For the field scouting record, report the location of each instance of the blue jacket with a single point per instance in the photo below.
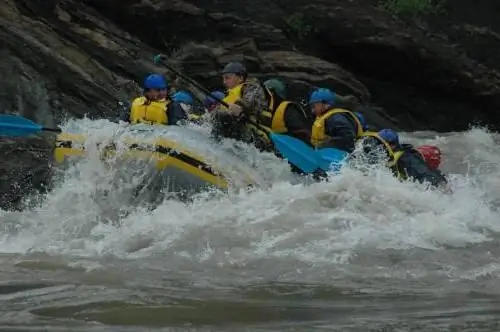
(174, 112)
(342, 130)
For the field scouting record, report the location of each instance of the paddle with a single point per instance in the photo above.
(297, 152)
(17, 126)
(331, 158)
(294, 150)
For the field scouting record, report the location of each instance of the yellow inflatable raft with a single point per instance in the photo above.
(182, 167)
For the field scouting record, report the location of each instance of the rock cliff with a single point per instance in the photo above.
(65, 58)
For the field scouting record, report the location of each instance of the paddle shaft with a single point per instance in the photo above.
(55, 130)
(193, 82)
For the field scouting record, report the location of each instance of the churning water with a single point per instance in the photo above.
(361, 252)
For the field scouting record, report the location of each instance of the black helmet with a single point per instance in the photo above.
(235, 68)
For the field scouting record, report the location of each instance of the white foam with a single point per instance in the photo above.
(321, 223)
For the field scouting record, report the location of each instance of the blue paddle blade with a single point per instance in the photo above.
(11, 125)
(296, 152)
(331, 159)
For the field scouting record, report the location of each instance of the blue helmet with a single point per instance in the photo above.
(389, 135)
(322, 95)
(183, 97)
(155, 81)
(209, 100)
(362, 120)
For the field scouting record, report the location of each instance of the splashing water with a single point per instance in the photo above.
(362, 232)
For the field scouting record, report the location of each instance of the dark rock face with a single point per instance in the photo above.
(65, 58)
(23, 168)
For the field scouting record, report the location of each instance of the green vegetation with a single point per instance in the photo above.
(299, 25)
(415, 8)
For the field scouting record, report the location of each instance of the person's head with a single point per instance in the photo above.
(234, 73)
(184, 99)
(155, 87)
(431, 155)
(321, 100)
(390, 136)
(276, 86)
(210, 102)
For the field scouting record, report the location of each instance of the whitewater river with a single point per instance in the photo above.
(357, 253)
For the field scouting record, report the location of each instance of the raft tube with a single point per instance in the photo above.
(184, 169)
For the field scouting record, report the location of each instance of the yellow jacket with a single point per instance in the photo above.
(150, 112)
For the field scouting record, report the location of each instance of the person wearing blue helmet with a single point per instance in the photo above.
(153, 107)
(334, 126)
(404, 160)
(187, 104)
(183, 97)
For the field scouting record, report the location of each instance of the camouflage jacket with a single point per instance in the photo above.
(254, 98)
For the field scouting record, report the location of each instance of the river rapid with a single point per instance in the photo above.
(361, 252)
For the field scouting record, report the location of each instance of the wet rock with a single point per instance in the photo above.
(64, 58)
(23, 170)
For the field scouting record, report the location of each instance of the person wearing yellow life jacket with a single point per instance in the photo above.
(333, 127)
(403, 159)
(153, 107)
(246, 100)
(283, 116)
(186, 103)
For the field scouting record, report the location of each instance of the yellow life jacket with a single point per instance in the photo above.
(193, 117)
(150, 112)
(393, 164)
(318, 135)
(232, 96)
(274, 119)
(393, 156)
(271, 97)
